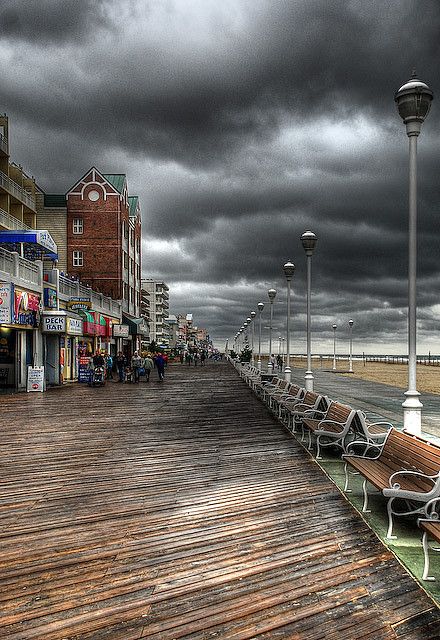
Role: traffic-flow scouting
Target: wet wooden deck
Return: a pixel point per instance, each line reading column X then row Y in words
column 183, row 510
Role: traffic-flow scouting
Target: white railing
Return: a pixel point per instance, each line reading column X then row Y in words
column 12, row 223
column 101, row 303
column 20, row 268
column 18, row 192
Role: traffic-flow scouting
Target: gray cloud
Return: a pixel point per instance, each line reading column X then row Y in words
column 240, row 125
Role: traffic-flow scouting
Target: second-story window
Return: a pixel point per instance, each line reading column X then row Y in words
column 78, row 259
column 78, row 225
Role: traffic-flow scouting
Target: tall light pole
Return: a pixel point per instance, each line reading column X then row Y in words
column 309, row 240
column 252, row 315
column 271, row 293
column 289, row 270
column 334, row 327
column 413, row 101
column 260, row 306
column 350, row 324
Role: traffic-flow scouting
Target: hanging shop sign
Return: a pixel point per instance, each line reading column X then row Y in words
column 6, row 296
column 26, row 308
column 120, row 330
column 79, row 304
column 35, row 379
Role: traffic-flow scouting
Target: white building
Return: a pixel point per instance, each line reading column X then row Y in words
column 158, row 295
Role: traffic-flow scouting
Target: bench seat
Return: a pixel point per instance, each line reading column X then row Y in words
column 330, row 428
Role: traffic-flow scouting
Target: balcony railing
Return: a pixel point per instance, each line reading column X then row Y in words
column 19, row 268
column 4, row 143
column 101, row 303
column 18, row 192
column 11, row 222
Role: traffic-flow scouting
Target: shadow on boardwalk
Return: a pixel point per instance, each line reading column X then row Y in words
column 183, row 510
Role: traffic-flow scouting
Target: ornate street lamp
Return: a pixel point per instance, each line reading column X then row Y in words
column 289, row 270
column 334, row 327
column 350, row 324
column 271, row 293
column 260, row 306
column 309, row 240
column 413, row 101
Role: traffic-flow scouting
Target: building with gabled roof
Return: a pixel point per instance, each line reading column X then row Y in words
column 104, row 237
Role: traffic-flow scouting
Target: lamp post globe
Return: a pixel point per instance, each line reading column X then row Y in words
column 271, row 294
column 260, row 307
column 413, row 101
column 308, row 241
column 334, row 327
column 350, row 324
column 289, row 270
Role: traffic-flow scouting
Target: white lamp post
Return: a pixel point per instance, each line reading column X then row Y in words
column 260, row 306
column 289, row 270
column 413, row 101
column 253, row 314
column 271, row 293
column 334, row 346
column 350, row 324
column 309, row 240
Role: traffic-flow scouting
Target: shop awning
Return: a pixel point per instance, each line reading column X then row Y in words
column 36, row 243
column 138, row 326
column 88, row 322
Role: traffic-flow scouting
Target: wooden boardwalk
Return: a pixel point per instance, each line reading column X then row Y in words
column 183, row 510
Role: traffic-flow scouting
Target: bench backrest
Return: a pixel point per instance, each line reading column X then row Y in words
column 339, row 412
column 411, row 452
column 295, row 390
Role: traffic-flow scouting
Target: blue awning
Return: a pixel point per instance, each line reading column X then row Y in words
column 37, row 240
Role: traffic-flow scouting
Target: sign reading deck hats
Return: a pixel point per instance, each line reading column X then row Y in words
column 79, row 304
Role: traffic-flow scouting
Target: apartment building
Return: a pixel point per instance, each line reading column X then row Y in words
column 158, row 293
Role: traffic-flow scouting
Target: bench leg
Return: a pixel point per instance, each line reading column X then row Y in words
column 390, row 520
column 365, row 505
column 425, row 545
column 347, row 478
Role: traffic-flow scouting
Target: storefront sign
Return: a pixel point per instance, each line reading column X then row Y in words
column 120, row 330
column 74, row 326
column 50, row 297
column 26, row 308
column 79, row 304
column 54, row 324
column 6, row 295
column 35, row 379
column 44, row 239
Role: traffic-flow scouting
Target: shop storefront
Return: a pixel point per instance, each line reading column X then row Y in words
column 62, row 332
column 20, row 345
column 138, row 330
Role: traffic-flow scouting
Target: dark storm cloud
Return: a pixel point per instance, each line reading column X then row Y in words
column 51, row 21
column 240, row 125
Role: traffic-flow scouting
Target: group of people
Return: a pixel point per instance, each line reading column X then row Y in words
column 277, row 363
column 130, row 369
column 193, row 357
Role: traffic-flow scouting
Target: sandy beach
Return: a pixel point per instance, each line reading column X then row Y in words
column 428, row 376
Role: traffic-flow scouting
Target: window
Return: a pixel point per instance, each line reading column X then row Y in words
column 131, row 266
column 78, row 225
column 78, row 259
column 131, row 295
column 125, row 260
column 125, row 291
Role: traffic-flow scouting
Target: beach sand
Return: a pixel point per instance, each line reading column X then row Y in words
column 428, row 377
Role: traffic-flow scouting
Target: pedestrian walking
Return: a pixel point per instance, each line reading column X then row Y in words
column 202, row 358
column 148, row 366
column 160, row 365
column 136, row 364
column 121, row 363
column 196, row 358
column 108, row 366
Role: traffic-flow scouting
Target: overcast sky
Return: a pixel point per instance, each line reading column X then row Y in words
column 241, row 124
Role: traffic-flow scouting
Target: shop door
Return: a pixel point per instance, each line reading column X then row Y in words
column 52, row 362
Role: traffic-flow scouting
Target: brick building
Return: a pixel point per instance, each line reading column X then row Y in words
column 104, row 237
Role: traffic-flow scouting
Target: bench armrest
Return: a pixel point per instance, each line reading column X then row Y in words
column 314, row 413
column 380, row 423
column 367, row 446
column 418, row 474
